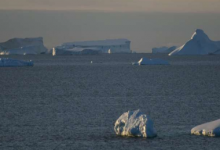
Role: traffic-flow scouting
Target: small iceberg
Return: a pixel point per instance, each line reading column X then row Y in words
column 7, row 62
column 145, row 61
column 135, row 123
column 208, row 129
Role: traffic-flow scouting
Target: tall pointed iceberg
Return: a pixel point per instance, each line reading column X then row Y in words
column 199, row 44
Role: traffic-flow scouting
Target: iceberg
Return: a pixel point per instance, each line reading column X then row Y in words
column 94, row 47
column 216, row 52
column 208, row 129
column 7, row 62
column 74, row 51
column 135, row 123
column 23, row 46
column 145, row 61
column 164, row 49
column 199, row 44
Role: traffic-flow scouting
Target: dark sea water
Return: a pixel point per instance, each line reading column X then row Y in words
column 65, row 102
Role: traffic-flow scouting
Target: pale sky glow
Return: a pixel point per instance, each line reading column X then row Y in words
column 146, row 23
column 115, row 5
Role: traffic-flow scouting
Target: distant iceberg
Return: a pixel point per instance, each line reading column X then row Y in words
column 94, row 47
column 208, row 129
column 145, row 61
column 7, row 62
column 23, row 46
column 135, row 123
column 200, row 44
column 60, row 50
column 164, row 49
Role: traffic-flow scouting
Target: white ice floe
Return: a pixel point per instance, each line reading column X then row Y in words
column 23, row 46
column 7, row 62
column 145, row 61
column 199, row 44
column 135, row 123
column 208, row 129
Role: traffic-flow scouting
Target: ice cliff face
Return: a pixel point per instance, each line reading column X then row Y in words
column 199, row 44
column 135, row 123
column 208, row 129
column 23, row 46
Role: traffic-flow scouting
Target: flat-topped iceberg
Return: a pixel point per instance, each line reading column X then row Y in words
column 23, row 46
column 199, row 44
column 75, row 51
column 93, row 47
column 7, row 62
column 135, row 123
column 208, row 129
column 146, row 61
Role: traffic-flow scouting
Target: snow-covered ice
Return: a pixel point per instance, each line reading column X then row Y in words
column 199, row 44
column 135, row 123
column 146, row 61
column 208, row 129
column 7, row 62
column 23, row 46
column 163, row 49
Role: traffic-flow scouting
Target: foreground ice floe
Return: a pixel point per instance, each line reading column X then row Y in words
column 199, row 44
column 145, row 61
column 208, row 129
column 7, row 62
column 135, row 123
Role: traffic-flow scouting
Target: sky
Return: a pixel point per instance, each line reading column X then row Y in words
column 146, row 23
column 115, row 5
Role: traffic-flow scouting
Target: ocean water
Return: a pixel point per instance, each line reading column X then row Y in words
column 65, row 102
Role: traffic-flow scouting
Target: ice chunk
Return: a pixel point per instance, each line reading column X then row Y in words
column 135, row 123
column 145, row 61
column 208, row 129
column 7, row 62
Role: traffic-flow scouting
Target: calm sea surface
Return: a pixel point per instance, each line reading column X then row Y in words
column 65, row 102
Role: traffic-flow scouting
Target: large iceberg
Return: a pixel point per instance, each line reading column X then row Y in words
column 23, row 46
column 199, row 44
column 74, row 51
column 163, row 49
column 94, row 47
column 135, row 123
column 208, row 129
column 145, row 61
column 7, row 62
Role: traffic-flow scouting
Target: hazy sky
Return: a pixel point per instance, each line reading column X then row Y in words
column 115, row 5
column 147, row 23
